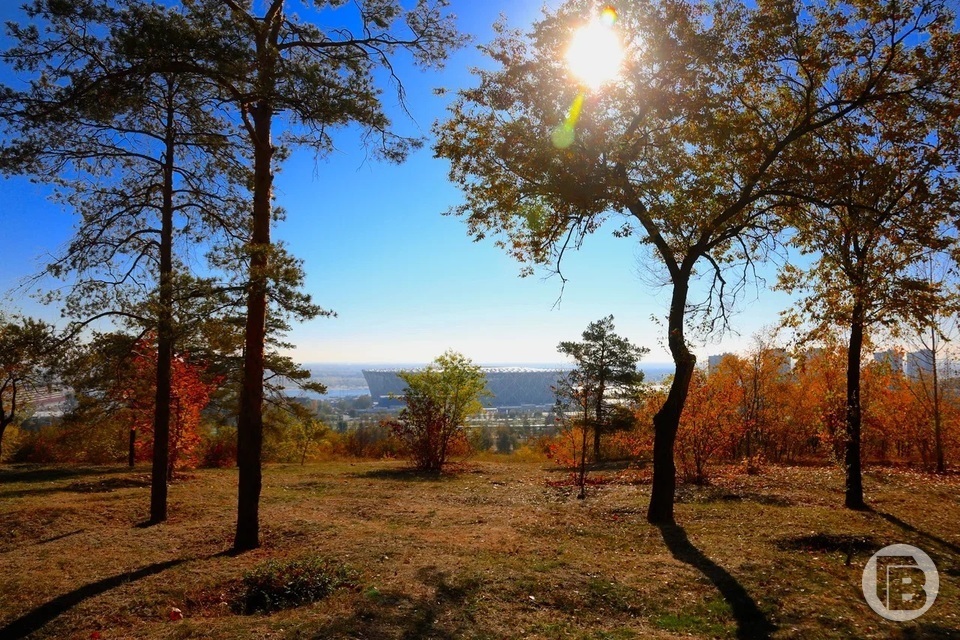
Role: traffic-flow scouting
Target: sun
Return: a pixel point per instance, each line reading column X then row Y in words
column 595, row 54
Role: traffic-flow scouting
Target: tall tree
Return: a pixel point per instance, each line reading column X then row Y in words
column 572, row 410
column 692, row 147
column 145, row 158
column 270, row 64
column 879, row 204
column 26, row 354
column 606, row 368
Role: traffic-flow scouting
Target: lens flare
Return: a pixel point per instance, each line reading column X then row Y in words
column 608, row 16
column 565, row 133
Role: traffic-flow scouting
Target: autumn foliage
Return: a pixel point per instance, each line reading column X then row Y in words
column 190, row 394
column 764, row 407
column 756, row 409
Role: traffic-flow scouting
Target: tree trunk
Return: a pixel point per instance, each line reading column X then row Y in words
column 250, row 419
column 132, row 449
column 667, row 420
column 598, row 425
column 582, row 479
column 3, row 427
column 161, row 414
column 937, row 415
column 596, row 442
column 854, row 474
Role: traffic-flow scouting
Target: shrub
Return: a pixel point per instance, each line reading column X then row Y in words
column 36, row 446
column 529, row 453
column 277, row 585
column 368, row 440
column 219, row 448
column 439, row 398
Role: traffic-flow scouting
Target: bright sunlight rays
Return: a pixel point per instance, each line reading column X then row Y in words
column 595, row 53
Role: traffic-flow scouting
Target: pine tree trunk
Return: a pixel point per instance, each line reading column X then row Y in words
column 667, row 420
column 937, row 413
column 250, row 419
column 852, row 464
column 582, row 477
column 161, row 415
column 3, row 427
column 598, row 425
column 131, row 452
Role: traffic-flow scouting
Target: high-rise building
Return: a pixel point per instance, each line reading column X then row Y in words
column 920, row 364
column 892, row 358
column 782, row 358
column 714, row 361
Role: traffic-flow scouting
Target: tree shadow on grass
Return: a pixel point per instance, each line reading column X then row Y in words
column 115, row 479
column 381, row 615
column 605, row 465
column 894, row 520
column 752, row 623
column 405, row 474
column 924, row 631
column 31, row 472
column 30, row 622
column 59, row 537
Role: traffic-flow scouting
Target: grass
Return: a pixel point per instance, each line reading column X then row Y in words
column 496, row 550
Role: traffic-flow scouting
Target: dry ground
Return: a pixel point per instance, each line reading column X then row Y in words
column 497, row 550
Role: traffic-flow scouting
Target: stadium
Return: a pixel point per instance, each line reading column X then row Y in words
column 511, row 387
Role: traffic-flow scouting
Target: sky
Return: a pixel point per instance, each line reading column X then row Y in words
column 407, row 282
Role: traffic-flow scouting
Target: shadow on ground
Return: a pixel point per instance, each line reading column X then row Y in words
column 24, row 479
column 445, row 615
column 906, row 526
column 926, row 632
column 752, row 623
column 26, row 473
column 404, row 474
column 27, row 624
column 848, row 545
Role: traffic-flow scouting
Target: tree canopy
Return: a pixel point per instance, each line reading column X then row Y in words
column 691, row 150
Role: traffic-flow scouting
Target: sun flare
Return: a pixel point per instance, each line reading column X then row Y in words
column 595, row 54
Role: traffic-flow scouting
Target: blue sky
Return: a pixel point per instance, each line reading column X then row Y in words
column 406, row 281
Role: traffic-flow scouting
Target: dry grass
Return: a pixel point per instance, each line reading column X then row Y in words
column 497, row 550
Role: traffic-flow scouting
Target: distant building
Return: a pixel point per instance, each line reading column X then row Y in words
column 44, row 406
column 510, row 386
column 891, row 358
column 714, row 361
column 782, row 359
column 920, row 364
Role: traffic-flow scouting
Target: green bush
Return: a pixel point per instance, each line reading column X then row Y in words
column 276, row 585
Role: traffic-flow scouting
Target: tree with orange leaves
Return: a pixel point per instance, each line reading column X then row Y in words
column 710, row 418
column 189, row 394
